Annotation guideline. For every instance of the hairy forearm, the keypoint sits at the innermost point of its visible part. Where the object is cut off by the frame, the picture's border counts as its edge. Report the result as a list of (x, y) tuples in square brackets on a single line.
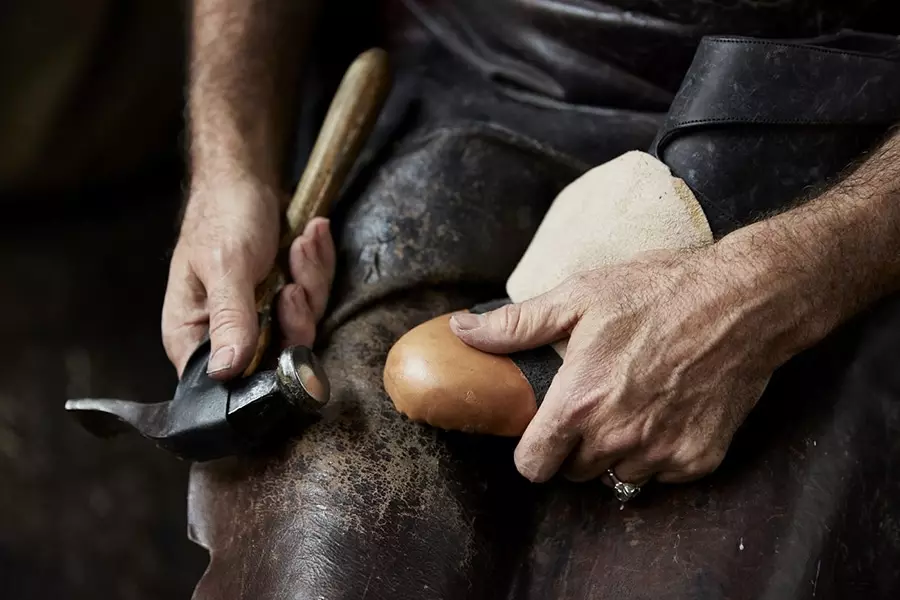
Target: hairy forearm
[(826, 259), (245, 59)]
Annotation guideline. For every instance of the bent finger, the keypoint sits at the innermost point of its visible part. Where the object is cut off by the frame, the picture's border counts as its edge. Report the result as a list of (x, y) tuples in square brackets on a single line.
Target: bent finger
[(702, 465), (593, 457), (549, 438), (298, 324), (325, 243), (520, 326), (309, 272)]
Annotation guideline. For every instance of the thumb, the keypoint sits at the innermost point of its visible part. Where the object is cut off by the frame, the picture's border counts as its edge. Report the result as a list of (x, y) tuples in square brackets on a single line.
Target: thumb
[(184, 316), (519, 326), (233, 324)]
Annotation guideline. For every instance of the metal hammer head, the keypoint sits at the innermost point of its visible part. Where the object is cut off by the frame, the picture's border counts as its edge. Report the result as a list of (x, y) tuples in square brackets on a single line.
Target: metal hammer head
[(209, 419)]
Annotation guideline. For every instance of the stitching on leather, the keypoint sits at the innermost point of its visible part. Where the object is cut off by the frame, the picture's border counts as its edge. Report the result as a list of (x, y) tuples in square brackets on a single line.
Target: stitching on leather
[(676, 128), (669, 131), (678, 124), (819, 49)]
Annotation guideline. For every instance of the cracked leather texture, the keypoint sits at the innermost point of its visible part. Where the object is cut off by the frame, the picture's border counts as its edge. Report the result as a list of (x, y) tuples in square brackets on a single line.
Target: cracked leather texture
[(366, 504)]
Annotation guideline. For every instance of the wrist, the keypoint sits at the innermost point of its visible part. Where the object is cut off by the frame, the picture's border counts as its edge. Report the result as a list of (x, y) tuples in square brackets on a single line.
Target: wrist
[(232, 196), (220, 167), (234, 184), (783, 285), (225, 150)]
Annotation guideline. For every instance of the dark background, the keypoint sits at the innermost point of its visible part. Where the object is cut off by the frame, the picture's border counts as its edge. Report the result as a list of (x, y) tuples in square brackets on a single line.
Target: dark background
[(91, 155), (79, 313)]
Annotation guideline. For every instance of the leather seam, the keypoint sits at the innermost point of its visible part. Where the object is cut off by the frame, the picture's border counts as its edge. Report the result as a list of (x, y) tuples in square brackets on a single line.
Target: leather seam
[(669, 132), (819, 49), (679, 124)]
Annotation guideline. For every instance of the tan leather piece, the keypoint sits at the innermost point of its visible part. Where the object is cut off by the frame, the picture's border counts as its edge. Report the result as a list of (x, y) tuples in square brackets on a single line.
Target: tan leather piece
[(610, 214), (433, 377), (626, 206)]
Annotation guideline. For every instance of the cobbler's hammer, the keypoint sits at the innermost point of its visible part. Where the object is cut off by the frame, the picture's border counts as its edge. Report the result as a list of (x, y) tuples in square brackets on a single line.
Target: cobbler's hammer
[(209, 419)]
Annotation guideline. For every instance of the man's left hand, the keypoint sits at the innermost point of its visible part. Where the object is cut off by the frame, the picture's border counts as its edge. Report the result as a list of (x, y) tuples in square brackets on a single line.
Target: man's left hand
[(667, 354)]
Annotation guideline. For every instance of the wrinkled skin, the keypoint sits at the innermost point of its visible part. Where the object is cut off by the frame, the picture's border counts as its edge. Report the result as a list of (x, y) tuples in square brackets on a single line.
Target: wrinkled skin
[(369, 478), (220, 259), (655, 381), (367, 504)]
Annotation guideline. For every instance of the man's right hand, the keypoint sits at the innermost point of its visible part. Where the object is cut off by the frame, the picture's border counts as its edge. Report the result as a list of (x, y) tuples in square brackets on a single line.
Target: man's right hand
[(227, 246), (245, 61), (228, 242)]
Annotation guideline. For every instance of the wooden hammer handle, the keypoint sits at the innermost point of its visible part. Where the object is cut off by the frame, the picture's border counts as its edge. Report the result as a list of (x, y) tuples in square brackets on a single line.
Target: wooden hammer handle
[(346, 127), (350, 118)]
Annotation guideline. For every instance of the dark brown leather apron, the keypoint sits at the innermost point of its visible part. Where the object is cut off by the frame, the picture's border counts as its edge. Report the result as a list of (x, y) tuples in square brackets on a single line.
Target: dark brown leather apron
[(368, 505)]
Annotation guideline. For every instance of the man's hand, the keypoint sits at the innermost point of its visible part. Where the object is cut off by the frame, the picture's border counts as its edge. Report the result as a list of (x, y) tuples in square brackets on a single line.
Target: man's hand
[(668, 353), (242, 84), (658, 372), (227, 247)]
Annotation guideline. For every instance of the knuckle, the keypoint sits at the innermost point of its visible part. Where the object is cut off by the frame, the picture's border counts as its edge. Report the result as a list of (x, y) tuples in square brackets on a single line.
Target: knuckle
[(622, 440), (710, 461), (614, 444), (578, 280), (701, 462), (577, 410), (659, 454), (302, 332), (578, 286), (229, 254), (510, 319), (690, 452), (653, 432), (226, 258), (690, 470), (227, 320)]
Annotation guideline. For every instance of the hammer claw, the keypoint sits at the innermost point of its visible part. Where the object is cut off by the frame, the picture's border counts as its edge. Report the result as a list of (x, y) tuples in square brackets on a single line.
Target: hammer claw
[(106, 417)]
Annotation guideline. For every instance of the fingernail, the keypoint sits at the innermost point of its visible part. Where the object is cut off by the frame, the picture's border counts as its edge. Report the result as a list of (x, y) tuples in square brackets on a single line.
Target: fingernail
[(221, 360), (467, 321)]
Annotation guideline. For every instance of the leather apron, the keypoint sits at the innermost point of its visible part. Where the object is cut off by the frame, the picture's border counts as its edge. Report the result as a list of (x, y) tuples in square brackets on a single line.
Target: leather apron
[(496, 107)]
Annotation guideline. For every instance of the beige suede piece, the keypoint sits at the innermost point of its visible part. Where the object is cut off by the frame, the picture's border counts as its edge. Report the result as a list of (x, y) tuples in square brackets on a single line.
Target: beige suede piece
[(608, 215)]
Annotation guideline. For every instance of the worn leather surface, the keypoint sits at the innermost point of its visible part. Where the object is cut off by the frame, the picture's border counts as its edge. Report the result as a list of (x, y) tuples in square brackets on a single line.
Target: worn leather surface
[(368, 505), (628, 54), (758, 124), (804, 506)]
